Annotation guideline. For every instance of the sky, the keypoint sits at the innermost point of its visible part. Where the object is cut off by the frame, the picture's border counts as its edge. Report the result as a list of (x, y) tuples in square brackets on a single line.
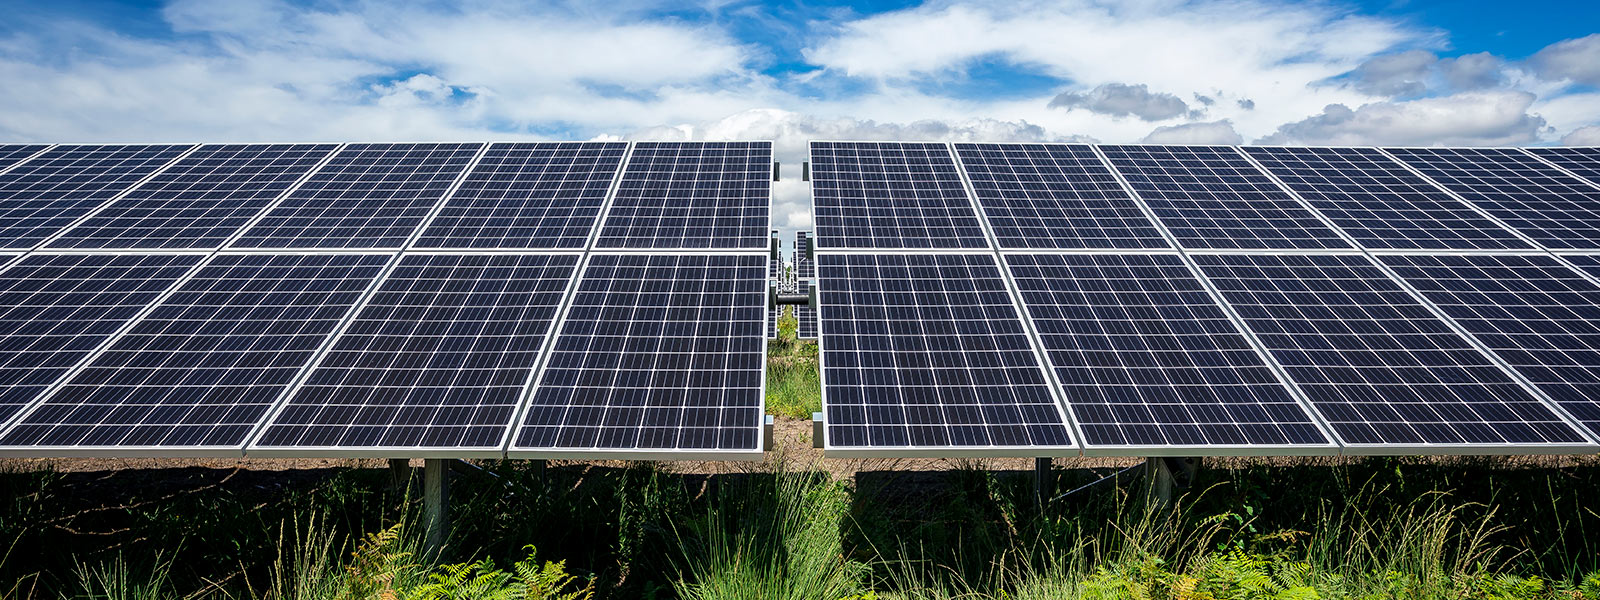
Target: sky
[(1161, 71)]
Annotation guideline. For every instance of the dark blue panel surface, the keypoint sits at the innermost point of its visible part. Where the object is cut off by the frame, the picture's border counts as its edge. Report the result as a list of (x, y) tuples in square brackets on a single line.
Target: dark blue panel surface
[(367, 196), (890, 195), (1535, 313), (805, 319), (1581, 161), (1380, 203), (1148, 358), (11, 154), (199, 201), (1553, 208), (657, 353), (204, 366), (927, 351), (530, 196), (1055, 196), (1211, 197), (52, 190), (1378, 365), (692, 195), (56, 309), (439, 357)]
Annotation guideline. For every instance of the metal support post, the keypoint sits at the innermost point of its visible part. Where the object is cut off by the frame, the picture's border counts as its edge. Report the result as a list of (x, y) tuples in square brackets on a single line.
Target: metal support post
[(436, 507), (1168, 474), (399, 474), (1043, 483)]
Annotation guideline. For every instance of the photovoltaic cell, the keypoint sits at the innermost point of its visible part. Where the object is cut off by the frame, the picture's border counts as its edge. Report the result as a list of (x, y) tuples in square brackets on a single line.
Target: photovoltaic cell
[(201, 370), (1055, 196), (1581, 161), (1211, 197), (1147, 357), (928, 351), (805, 319), (1380, 203), (890, 195), (1535, 313), (804, 268), (657, 353), (1378, 365), (528, 196), (56, 309), (692, 195), (49, 192), (439, 357), (11, 154), (1553, 208), (367, 196), (199, 201)]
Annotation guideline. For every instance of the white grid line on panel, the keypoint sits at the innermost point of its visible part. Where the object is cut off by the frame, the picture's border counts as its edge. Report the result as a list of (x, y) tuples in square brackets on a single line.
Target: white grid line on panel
[(1050, 197), (96, 208), (1555, 213), (45, 148), (485, 196), (931, 213)]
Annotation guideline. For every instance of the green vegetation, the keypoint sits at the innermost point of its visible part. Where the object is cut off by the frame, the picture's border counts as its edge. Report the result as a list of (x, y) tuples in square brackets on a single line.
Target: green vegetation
[(794, 384)]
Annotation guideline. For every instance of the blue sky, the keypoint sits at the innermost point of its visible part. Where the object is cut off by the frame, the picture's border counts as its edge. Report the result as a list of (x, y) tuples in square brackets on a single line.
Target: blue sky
[(1231, 71)]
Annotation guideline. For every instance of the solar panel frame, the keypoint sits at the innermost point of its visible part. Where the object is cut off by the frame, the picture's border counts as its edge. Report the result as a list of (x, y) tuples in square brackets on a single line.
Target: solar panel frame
[(831, 449), (1582, 162), (459, 196), (39, 449), (614, 236), (1469, 347), (954, 233), (12, 155), (1062, 179), (512, 448), (69, 209), (1554, 209), (257, 447), (152, 186)]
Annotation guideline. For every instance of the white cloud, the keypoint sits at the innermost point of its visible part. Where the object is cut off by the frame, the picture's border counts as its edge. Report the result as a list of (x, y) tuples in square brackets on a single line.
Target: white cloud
[(1473, 71), (1121, 100), (1215, 132), (1577, 60), (1400, 74), (1583, 136), (1468, 119)]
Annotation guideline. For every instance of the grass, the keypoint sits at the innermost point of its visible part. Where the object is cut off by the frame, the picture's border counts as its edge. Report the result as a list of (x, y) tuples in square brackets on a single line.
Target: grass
[(794, 386)]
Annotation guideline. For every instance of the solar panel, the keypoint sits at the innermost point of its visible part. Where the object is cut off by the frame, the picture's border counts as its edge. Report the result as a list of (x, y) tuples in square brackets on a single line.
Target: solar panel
[(1211, 197), (1384, 372), (52, 190), (1380, 203), (200, 200), (1148, 359), (804, 268), (657, 354), (694, 195), (58, 308), (438, 358), (805, 319), (1533, 312), (927, 352), (772, 322), (367, 196), (528, 196), (890, 195), (1581, 161), (1054, 196), (11, 154), (199, 372), (1553, 208)]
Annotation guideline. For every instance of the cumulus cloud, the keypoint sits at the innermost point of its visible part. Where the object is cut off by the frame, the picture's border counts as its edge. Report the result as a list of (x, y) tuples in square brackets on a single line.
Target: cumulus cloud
[(1577, 60), (1472, 71), (1121, 100), (1467, 119), (1399, 74), (790, 131), (1583, 136), (1214, 132)]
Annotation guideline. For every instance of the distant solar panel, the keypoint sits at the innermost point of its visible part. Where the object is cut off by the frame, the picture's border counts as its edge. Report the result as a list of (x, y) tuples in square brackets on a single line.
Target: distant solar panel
[(438, 358), (528, 196), (52, 190), (772, 322), (11, 154), (922, 352), (1386, 374), (890, 195), (1211, 197), (805, 319), (1055, 196), (692, 195), (367, 196), (58, 308), (200, 200), (1535, 313), (1581, 161), (1148, 358), (805, 268), (200, 371), (1380, 203), (658, 353), (1553, 208)]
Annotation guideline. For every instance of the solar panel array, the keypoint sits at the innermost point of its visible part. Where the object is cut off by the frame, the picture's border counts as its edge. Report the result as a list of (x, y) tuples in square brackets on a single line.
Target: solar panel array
[(382, 299), (1195, 300), (1581, 161)]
